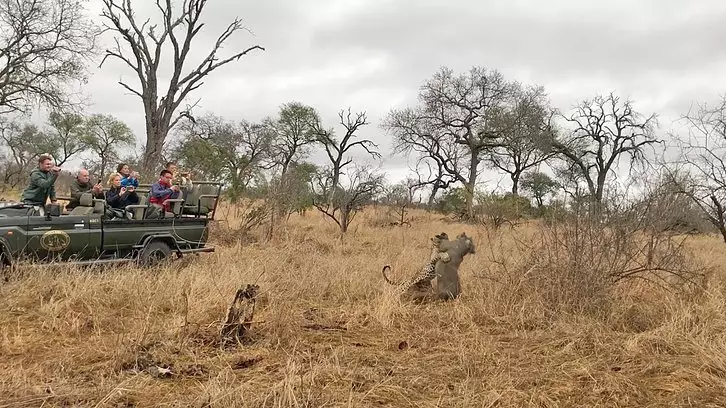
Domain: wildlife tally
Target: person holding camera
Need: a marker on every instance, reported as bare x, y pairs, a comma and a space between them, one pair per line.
128, 178
42, 183
82, 184
118, 196
163, 190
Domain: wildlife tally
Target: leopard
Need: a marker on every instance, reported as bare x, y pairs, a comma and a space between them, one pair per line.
427, 273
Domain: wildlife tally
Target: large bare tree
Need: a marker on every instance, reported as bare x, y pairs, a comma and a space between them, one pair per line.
603, 130
44, 48
139, 45
466, 110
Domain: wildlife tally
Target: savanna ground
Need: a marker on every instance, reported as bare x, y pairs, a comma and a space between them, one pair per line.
329, 333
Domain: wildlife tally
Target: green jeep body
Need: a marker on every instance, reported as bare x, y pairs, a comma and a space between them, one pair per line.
87, 235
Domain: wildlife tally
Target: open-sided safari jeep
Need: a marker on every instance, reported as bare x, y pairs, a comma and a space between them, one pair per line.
92, 234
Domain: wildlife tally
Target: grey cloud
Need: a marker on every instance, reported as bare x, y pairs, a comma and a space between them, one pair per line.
374, 55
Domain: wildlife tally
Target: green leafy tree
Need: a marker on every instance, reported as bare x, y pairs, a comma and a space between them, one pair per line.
538, 185
222, 150
527, 127
105, 136
22, 145
66, 135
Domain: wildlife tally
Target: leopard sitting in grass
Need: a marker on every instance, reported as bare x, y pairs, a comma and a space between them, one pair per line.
423, 278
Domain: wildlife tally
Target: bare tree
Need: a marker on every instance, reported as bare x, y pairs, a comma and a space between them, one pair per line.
700, 172
337, 151
332, 199
466, 110
604, 130
104, 136
44, 46
439, 155
344, 201
401, 196
529, 125
145, 43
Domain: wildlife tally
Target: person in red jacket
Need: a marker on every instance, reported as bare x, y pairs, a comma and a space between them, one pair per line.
163, 190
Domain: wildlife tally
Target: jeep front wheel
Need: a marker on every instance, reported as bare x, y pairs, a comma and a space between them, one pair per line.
154, 253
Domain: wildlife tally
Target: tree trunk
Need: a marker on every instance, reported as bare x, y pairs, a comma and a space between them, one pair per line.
343, 221
156, 129
471, 184
515, 183
152, 160
432, 196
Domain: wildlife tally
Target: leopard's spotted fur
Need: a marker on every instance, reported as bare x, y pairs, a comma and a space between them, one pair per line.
427, 273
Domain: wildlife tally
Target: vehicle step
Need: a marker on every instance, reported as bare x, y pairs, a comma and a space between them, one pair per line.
194, 250
101, 261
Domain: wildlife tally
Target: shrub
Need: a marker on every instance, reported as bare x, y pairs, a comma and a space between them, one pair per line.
497, 210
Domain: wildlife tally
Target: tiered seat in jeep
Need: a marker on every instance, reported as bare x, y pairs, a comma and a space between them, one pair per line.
88, 205
202, 198
138, 211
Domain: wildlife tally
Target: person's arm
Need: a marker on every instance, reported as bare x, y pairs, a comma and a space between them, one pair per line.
38, 179
52, 191
157, 191
76, 192
97, 191
112, 196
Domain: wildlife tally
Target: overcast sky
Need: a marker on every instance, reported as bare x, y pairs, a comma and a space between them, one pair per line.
373, 55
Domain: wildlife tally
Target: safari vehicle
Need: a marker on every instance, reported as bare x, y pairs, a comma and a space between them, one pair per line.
87, 235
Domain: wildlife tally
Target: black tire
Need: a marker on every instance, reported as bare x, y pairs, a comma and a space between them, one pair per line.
154, 253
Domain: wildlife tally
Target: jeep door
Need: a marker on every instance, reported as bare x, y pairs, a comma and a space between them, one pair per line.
61, 238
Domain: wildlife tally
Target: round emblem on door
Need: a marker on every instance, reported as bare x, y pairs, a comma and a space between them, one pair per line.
55, 240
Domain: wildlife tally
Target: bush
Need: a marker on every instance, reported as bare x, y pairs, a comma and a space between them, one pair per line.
453, 201
577, 265
497, 210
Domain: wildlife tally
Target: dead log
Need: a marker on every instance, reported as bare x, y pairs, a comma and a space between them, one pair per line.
240, 314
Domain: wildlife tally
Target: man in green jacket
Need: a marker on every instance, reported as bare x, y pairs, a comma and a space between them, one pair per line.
82, 184
42, 182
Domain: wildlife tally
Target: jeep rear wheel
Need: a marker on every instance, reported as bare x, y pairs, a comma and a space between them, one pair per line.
154, 253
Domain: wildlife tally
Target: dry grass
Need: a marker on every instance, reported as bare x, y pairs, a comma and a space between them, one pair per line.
328, 333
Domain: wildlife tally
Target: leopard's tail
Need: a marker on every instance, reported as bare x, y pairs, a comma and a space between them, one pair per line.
388, 267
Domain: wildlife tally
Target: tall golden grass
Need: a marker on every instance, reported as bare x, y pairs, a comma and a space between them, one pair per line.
328, 331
